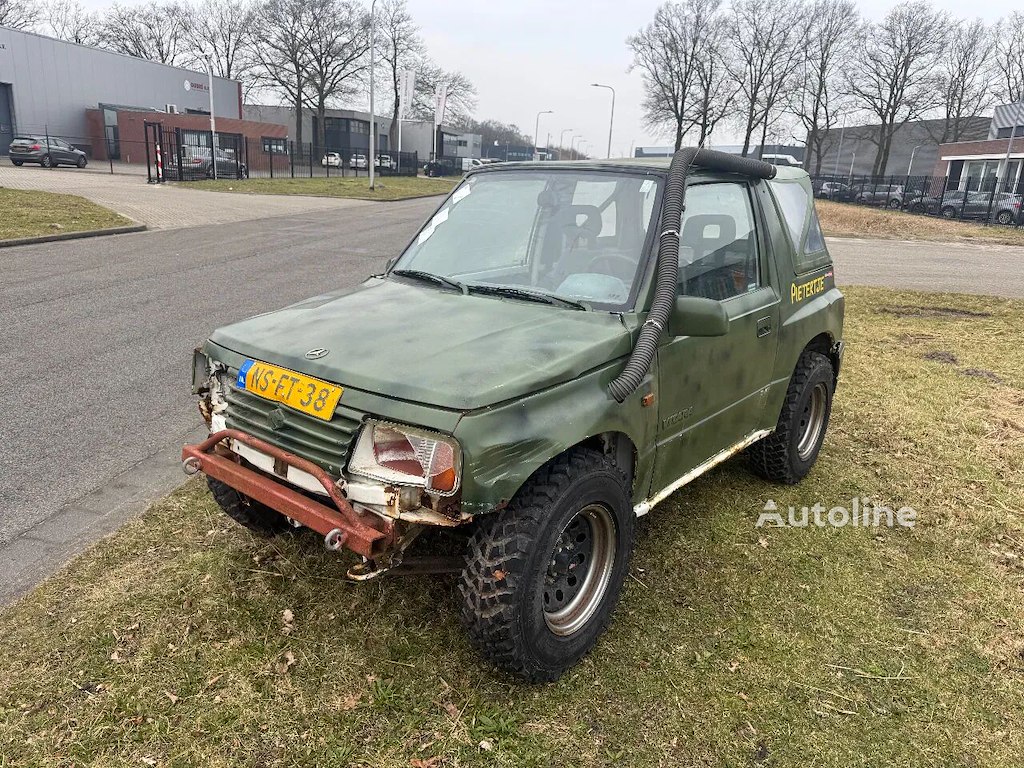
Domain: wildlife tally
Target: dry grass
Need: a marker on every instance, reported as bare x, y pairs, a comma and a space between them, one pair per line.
28, 213
183, 641
386, 188
849, 220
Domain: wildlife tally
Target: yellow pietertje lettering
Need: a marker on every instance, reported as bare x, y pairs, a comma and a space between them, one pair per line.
801, 291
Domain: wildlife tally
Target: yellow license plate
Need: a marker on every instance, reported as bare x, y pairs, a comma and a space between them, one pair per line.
301, 392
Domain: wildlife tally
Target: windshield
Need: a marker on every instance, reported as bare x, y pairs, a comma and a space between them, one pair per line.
576, 235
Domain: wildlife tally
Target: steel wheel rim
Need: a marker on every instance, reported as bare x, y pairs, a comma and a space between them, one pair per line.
571, 598
812, 421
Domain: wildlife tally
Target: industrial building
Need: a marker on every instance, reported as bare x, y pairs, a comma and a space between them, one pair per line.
54, 87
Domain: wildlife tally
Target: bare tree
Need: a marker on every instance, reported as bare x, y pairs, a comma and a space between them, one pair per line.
832, 28
766, 35
69, 20
221, 31
680, 59
280, 45
715, 91
967, 76
154, 31
895, 75
1010, 58
337, 55
16, 14
400, 46
461, 101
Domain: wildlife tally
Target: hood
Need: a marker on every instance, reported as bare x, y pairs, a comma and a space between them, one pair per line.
431, 346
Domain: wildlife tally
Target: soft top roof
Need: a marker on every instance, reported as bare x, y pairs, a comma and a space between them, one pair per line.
649, 164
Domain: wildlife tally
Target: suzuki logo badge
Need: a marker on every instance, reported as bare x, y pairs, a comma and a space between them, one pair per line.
316, 354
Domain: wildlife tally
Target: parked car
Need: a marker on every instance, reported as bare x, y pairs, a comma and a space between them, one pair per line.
437, 168
385, 161
332, 159
836, 190
195, 165
357, 161
1002, 208
889, 195
47, 152
516, 406
787, 160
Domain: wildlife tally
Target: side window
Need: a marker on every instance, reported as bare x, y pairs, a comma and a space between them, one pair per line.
718, 256
797, 208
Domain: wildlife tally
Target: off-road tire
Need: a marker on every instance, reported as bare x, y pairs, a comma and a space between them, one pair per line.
509, 556
777, 456
257, 517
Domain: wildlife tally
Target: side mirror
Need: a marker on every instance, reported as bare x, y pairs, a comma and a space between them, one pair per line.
697, 316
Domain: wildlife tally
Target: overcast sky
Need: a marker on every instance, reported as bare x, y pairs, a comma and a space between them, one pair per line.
531, 55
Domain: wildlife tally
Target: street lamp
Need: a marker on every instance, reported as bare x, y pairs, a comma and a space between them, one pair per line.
611, 120
371, 161
536, 132
213, 120
906, 184
561, 141
572, 144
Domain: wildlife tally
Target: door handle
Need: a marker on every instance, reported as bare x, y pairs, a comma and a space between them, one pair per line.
764, 326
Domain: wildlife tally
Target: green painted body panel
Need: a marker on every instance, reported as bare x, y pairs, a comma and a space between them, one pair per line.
517, 383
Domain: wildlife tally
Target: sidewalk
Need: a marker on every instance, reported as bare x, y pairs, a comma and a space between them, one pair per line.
163, 206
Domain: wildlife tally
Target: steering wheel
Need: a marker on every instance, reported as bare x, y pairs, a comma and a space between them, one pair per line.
609, 258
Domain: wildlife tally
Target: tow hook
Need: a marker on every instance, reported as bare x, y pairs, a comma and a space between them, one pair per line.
191, 465
335, 539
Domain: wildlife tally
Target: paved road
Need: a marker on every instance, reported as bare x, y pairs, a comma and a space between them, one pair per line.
97, 342
164, 206
996, 270
97, 337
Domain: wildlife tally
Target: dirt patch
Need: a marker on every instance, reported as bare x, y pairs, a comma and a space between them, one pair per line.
953, 312
981, 373
941, 356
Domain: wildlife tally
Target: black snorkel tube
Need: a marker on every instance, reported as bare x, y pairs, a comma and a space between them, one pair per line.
667, 276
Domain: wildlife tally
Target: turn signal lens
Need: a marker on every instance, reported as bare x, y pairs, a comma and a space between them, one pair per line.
402, 455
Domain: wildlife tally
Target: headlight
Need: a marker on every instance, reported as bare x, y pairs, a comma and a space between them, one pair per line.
394, 453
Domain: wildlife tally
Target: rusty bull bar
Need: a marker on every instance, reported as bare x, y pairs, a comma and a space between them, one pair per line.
367, 535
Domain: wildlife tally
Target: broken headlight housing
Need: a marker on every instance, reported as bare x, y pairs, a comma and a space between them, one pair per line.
401, 455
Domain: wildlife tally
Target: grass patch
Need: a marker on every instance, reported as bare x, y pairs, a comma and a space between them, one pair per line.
850, 220
182, 640
28, 213
354, 187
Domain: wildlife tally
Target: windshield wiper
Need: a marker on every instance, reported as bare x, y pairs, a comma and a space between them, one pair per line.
522, 293
418, 274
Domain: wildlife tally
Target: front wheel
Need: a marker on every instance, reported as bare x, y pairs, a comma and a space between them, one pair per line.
949, 212
894, 204
81, 162
258, 518
46, 162
787, 455
543, 575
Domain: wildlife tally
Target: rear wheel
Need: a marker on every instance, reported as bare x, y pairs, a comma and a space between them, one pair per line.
1004, 217
18, 163
46, 161
894, 203
543, 575
788, 454
258, 518
949, 212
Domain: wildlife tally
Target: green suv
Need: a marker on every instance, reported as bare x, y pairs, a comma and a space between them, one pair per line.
560, 347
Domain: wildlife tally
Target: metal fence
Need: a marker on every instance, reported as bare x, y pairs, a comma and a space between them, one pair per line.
986, 200
177, 154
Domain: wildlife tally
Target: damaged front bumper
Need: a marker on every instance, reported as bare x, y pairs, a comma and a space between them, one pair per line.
342, 526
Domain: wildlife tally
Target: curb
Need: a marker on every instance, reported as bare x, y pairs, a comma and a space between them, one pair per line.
72, 235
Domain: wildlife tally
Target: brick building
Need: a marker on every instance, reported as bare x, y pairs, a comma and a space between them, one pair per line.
993, 163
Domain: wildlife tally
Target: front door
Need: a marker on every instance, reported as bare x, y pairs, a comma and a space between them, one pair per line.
711, 390
6, 117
